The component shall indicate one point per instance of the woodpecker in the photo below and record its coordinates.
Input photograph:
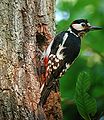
(61, 53)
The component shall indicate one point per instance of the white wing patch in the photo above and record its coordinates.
(52, 55)
(60, 55)
(57, 60)
(55, 67)
(49, 48)
(67, 65)
(65, 38)
(64, 70)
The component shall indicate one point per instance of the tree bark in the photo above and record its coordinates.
(20, 22)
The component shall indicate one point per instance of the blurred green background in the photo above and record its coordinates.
(91, 58)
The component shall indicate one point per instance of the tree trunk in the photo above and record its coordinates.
(20, 22)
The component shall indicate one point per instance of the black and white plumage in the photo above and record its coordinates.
(61, 53)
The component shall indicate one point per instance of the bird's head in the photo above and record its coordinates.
(82, 26)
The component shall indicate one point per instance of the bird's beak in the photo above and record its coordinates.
(95, 28)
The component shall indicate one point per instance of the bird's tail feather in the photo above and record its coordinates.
(39, 114)
(52, 84)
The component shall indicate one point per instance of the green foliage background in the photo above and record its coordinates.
(91, 58)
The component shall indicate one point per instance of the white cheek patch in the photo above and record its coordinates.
(77, 26)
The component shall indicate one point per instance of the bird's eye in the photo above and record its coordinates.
(83, 24)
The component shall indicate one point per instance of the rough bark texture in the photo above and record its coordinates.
(20, 21)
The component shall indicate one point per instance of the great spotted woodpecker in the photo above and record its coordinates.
(62, 52)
